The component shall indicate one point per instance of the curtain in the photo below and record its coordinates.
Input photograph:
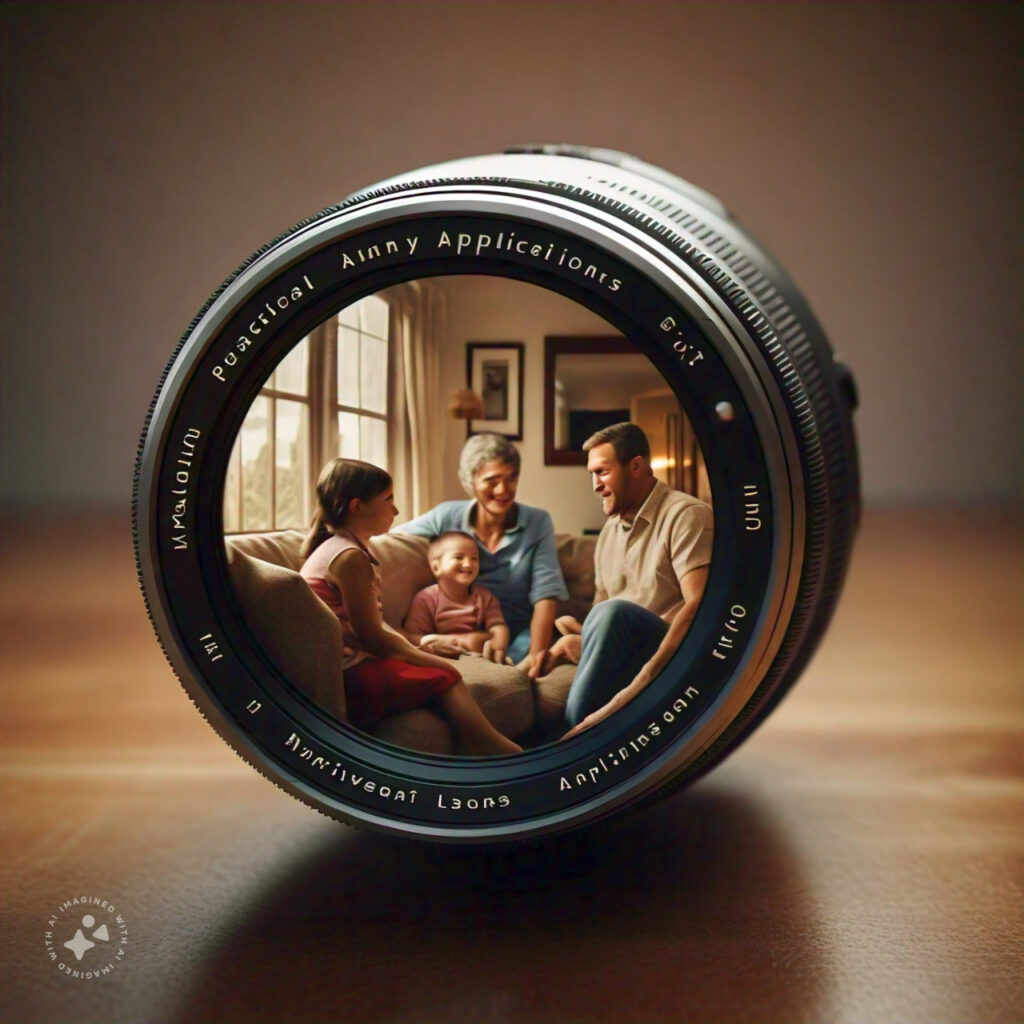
(415, 451)
(323, 356)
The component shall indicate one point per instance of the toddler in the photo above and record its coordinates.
(468, 616)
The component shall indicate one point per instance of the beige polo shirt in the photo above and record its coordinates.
(644, 561)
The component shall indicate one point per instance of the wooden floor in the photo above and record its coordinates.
(860, 859)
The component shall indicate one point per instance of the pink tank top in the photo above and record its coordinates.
(315, 572)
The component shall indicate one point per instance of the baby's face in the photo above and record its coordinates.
(458, 561)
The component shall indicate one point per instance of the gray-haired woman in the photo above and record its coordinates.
(518, 560)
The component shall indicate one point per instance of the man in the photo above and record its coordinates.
(651, 566)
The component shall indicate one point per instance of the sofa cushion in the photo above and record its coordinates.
(552, 692)
(503, 693)
(298, 632)
(418, 729)
(404, 567)
(576, 560)
(279, 548)
(404, 570)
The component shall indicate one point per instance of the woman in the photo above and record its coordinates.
(384, 674)
(518, 559)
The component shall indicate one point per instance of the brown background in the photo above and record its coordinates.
(149, 148)
(860, 858)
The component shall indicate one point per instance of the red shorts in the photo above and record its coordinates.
(378, 687)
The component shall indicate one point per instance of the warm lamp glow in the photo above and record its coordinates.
(465, 405)
(660, 462)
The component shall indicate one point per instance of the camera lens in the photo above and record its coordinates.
(502, 497)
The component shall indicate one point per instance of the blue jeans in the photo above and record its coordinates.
(618, 639)
(519, 647)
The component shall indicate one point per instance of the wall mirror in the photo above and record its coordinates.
(592, 382)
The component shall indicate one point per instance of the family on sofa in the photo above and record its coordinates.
(478, 640)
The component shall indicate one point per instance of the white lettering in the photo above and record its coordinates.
(472, 803)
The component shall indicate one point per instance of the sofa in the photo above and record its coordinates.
(303, 638)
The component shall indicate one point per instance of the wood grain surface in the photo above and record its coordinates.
(860, 859)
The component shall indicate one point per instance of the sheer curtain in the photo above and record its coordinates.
(418, 314)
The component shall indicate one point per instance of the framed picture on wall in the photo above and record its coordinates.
(494, 370)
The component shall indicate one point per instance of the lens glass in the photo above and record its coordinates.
(475, 394)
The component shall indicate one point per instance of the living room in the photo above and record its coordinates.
(390, 376)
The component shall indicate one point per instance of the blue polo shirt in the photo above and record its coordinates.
(523, 570)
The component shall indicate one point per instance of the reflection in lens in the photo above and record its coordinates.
(476, 396)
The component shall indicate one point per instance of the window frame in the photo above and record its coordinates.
(321, 400)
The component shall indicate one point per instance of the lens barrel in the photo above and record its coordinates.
(666, 267)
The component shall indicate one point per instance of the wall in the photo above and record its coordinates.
(492, 309)
(149, 148)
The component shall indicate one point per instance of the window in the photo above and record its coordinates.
(327, 397)
(361, 401)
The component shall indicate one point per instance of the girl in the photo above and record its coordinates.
(385, 674)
